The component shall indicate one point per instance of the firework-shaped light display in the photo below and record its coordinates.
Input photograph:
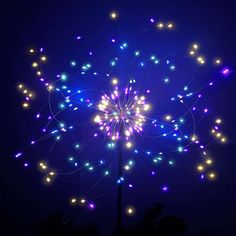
(122, 114)
(149, 100)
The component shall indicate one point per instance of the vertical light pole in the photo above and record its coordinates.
(119, 189)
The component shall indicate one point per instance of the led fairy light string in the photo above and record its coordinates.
(122, 114)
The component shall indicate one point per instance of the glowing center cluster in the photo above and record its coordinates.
(122, 113)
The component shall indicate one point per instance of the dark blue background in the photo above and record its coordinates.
(54, 24)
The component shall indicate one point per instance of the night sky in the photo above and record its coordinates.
(54, 25)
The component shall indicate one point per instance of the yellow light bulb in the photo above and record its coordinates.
(168, 117)
(170, 25)
(113, 15)
(31, 95)
(97, 119)
(43, 58)
(201, 60)
(25, 105)
(209, 161)
(73, 200)
(218, 61)
(223, 140)
(34, 64)
(212, 175)
(48, 179)
(114, 81)
(20, 86)
(50, 87)
(195, 46)
(42, 165)
(160, 25)
(194, 138)
(130, 211)
(200, 168)
(129, 145)
(82, 201)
